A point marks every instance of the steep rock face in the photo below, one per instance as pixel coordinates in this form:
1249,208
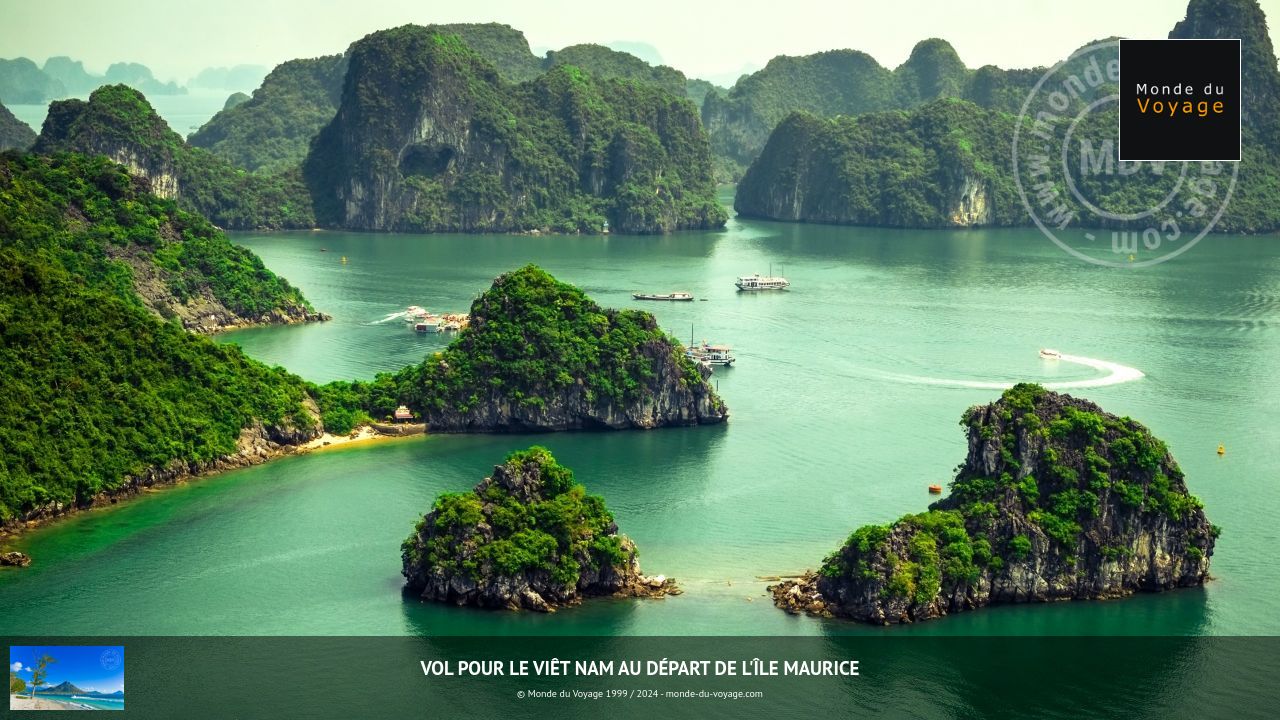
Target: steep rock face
178,265
526,537
539,355
198,305
945,165
298,98
1056,500
14,134
117,122
429,138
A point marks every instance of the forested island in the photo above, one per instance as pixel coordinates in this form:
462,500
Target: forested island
1056,500
539,355
865,152
527,537
151,399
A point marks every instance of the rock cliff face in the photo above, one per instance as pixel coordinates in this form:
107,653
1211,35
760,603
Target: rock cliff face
117,122
887,169
539,355
1056,500
14,134
198,305
526,537
428,137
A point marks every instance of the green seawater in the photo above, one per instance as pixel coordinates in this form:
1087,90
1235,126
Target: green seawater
844,404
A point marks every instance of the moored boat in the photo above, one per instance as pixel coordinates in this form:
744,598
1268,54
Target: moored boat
670,297
756,281
710,354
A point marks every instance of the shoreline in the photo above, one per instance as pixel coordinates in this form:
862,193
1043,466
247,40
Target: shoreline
25,702
361,436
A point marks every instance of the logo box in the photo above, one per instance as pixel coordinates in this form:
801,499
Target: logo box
1180,100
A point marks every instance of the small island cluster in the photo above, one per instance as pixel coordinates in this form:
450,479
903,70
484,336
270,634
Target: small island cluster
1056,500
527,537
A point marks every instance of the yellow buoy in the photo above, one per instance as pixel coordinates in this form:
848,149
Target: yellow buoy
344,259
1222,449
1131,257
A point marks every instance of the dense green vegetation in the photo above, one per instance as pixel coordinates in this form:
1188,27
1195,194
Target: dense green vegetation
935,160
14,134
531,337
117,121
558,529
272,131
93,386
566,151
607,64
895,168
94,389
1088,460
85,213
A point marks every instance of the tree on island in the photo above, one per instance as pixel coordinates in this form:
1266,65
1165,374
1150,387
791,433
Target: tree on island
16,684
40,673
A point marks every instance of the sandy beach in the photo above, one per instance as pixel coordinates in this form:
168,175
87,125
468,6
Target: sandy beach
361,435
24,702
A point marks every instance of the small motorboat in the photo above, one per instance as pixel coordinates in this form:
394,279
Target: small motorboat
1050,354
670,297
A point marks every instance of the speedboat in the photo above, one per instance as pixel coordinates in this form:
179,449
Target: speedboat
1050,354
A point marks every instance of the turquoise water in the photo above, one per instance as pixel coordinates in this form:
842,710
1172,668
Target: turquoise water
844,407
98,703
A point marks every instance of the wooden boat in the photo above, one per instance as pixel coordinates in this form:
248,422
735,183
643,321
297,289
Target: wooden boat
670,297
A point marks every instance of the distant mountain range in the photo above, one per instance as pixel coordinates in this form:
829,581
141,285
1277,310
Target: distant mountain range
63,688
22,82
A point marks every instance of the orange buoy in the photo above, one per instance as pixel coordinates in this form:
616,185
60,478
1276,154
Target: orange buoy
935,489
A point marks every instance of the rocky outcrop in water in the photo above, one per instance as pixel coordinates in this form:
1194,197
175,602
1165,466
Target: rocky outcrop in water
430,138
526,537
887,169
1056,500
540,355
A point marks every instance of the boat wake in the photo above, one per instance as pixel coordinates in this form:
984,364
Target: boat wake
1116,374
389,318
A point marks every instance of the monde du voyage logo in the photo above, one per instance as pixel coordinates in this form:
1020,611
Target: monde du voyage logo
1126,154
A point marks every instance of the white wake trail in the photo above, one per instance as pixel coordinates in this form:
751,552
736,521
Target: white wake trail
390,317
1116,374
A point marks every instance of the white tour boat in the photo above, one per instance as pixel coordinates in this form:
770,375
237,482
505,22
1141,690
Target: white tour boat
1050,354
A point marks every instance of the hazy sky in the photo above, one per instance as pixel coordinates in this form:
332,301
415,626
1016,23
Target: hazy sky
709,39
